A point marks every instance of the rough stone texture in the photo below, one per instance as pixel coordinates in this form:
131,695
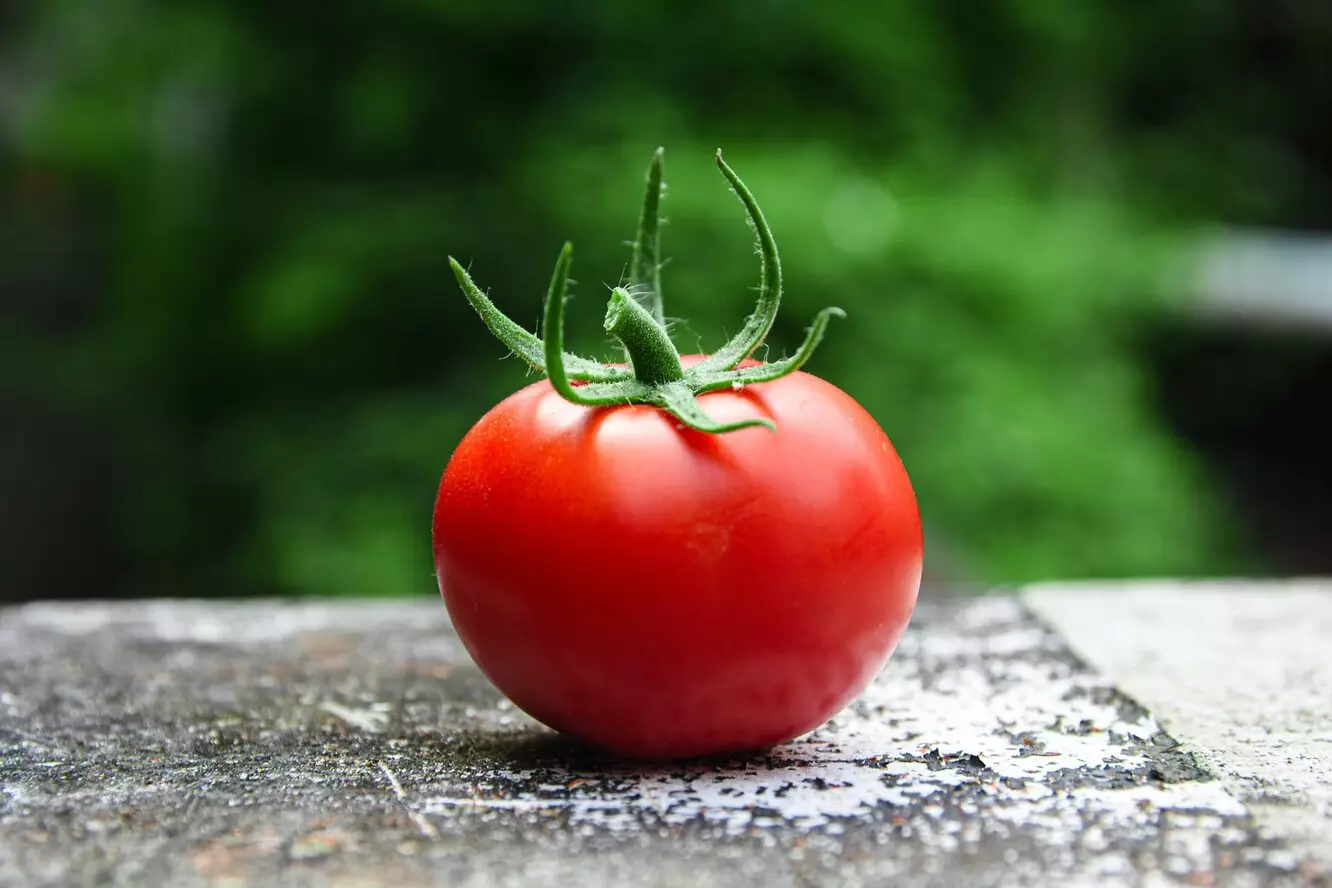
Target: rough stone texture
1241,671
255,744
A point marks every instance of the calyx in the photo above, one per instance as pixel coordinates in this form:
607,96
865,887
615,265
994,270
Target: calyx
634,316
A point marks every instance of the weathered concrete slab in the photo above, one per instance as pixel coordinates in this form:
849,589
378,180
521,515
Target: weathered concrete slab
354,744
1241,671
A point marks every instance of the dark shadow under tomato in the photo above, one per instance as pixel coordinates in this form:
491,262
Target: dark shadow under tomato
544,750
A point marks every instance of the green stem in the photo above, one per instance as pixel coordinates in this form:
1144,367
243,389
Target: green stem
552,325
524,344
758,324
776,369
656,376
681,403
625,391
645,266
652,355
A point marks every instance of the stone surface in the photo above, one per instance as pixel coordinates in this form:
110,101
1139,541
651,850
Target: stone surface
1242,671
354,744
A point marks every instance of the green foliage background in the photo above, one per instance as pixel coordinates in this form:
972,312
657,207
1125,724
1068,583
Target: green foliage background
275,363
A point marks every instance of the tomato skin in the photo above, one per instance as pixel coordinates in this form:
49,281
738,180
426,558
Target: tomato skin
663,593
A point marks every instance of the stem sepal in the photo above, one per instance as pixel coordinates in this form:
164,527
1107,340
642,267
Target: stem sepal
655,374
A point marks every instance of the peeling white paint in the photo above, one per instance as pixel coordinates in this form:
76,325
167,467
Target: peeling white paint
372,719
985,754
988,687
1240,671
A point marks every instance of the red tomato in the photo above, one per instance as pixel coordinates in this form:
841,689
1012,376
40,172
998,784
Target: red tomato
663,593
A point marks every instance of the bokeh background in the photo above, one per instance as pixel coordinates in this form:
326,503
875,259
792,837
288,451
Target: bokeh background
235,361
